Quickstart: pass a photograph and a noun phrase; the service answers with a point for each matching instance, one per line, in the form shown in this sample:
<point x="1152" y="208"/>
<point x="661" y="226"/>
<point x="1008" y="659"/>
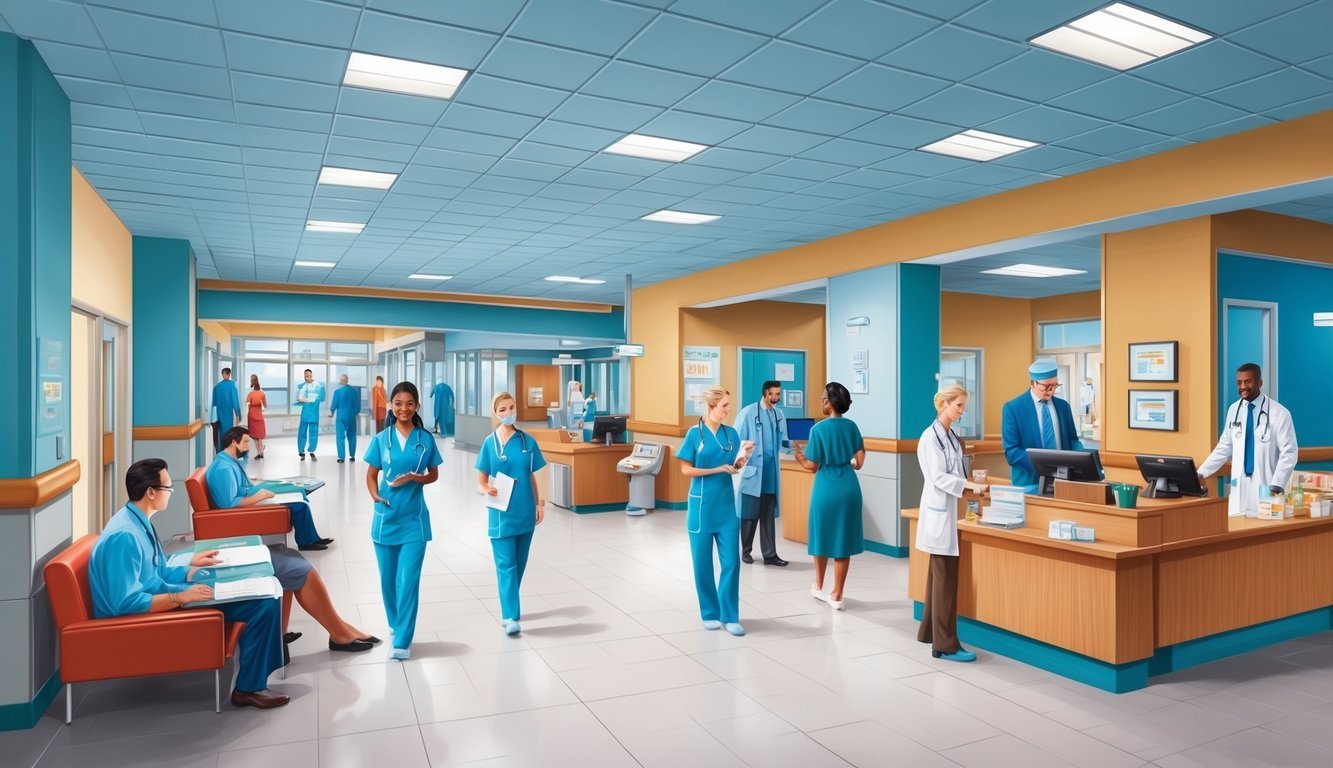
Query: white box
<point x="1082" y="533"/>
<point x="1271" y="508"/>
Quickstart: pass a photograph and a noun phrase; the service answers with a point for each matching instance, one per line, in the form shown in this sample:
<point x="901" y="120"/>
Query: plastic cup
<point x="979" y="476"/>
<point x="1126" y="495"/>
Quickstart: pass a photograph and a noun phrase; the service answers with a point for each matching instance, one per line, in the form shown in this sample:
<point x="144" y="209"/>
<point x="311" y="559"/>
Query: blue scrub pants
<point x="400" y="584"/>
<point x="259" y="651"/>
<point x="303" y="522"/>
<point x="511" y="559"/>
<point x="344" y="432"/>
<point x="308" y="429"/>
<point x="718" y="601"/>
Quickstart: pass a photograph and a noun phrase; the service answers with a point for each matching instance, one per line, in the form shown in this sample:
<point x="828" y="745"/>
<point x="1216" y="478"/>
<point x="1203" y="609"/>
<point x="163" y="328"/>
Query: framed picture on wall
<point x="1154" y="409"/>
<point x="1154" y="361"/>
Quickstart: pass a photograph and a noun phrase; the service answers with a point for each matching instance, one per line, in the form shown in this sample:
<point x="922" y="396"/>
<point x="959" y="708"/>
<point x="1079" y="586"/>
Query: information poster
<point x="50" y="387"/>
<point x="701" y="369"/>
<point x="784" y="372"/>
<point x="1151" y="363"/>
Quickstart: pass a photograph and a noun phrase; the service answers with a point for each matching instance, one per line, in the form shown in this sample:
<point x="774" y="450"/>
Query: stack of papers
<point x="1008" y="508"/>
<point x="244" y="589"/>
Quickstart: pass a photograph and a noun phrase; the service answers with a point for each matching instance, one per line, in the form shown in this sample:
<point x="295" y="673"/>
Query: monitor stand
<point x="1163" y="488"/>
<point x="1046" y="484"/>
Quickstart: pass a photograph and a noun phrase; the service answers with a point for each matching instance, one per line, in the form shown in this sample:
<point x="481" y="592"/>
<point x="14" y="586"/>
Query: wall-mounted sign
<point x="701" y="369"/>
<point x="627" y="350"/>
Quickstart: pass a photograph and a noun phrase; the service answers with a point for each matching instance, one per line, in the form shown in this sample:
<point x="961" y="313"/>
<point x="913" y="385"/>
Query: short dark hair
<point x="142" y="475"/>
<point x="312" y="373"/>
<point x="226" y="371"/>
<point x="233" y="435"/>
<point x="838" y="397"/>
<point x="1251" y="368"/>
<point x="379" y="378"/>
<point x="770" y="384"/>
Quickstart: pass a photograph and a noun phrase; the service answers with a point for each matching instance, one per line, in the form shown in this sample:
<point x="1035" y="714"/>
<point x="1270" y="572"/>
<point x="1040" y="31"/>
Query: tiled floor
<point x="613" y="669"/>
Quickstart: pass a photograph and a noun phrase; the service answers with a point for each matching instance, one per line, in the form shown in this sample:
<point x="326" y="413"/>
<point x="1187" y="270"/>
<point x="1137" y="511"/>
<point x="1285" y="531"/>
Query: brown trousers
<point x="939" y="619"/>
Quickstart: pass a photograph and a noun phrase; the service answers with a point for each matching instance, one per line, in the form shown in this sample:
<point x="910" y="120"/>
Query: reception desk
<point x="796" y="483"/>
<point x="594" y="484"/>
<point x="1167" y="585"/>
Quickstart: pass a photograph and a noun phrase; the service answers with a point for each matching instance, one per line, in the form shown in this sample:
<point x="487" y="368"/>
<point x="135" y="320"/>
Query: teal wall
<point x="757" y="367"/>
<point x="918" y="347"/>
<point x="164" y="332"/>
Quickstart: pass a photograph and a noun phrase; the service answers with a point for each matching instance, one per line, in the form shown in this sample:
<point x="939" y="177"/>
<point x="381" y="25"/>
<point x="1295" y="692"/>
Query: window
<point x="962" y="365"/>
<point x="349" y="352"/>
<point x="280" y="365"/>
<point x="310" y="350"/>
<point x="1070" y="333"/>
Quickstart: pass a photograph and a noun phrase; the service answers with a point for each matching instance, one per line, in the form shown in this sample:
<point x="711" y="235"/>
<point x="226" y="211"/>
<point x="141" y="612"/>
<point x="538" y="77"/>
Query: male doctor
<point x="1259" y="440"/>
<point x="309" y="395"/>
<point x="757" y="504"/>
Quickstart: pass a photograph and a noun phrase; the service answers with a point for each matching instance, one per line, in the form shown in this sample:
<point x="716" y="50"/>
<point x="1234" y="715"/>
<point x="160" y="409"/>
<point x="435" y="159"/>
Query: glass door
<point x="963" y="366"/>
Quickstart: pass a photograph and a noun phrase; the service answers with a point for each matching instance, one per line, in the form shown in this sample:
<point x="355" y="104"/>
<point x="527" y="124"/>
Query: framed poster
<point x="1154" y="409"/>
<point x="701" y="369"/>
<point x="793" y="398"/>
<point x="1154" y="361"/>
<point x="784" y="372"/>
<point x="860" y="383"/>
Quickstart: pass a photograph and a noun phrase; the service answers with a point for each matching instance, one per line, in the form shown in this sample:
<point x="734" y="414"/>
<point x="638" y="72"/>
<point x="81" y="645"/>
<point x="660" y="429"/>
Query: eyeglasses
<point x="1047" y="387"/>
<point x="167" y="488"/>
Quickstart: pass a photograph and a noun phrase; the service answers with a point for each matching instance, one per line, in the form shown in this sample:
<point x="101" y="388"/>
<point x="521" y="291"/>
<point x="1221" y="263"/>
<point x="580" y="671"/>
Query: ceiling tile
<point x="278" y="117"/>
<point x="150" y="100"/>
<point x="952" y="53"/>
<point x="675" y="43"/>
<point x="1214" y="64"/>
<point x="1294" y="37"/>
<point x="794" y="68"/>
<point x="1111" y="139"/>
<point x="1040" y="75"/>
<point x="904" y="132"/>
<point x="641" y="85"/>
<point x="173" y="76"/>
<point x="306" y="21"/>
<point x="61" y="22"/>
<point x="964" y="105"/>
<point x="765" y="16"/>
<point x="417" y="40"/>
<point x="483" y="91"/>
<point x="1043" y="124"/>
<point x="740" y="102"/>
<point x="487" y="15"/>
<point x="280" y="58"/>
<point x="1185" y="116"/>
<point x="817" y="116"/>
<point x="700" y="129"/>
<point x="1229" y="127"/>
<point x="588" y="25"/>
<point x="604" y="113"/>
<point x="1273" y="90"/>
<point x="1022" y="20"/>
<point x="197" y="13"/>
<point x="541" y="64"/>
<point x="859" y="28"/>
<point x="849" y="152"/>
<point x="763" y="138"/>
<point x="1118" y="98"/>
<point x="281" y="92"/>
<point x="160" y="38"/>
<point x="77" y="61"/>
<point x="384" y="130"/>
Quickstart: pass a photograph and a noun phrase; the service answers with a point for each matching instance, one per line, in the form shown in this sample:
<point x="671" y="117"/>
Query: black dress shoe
<point x="312" y="547"/>
<point x="291" y="637"/>
<point x="775" y="560"/>
<point x="371" y="639"/>
<point x="303" y="457"/>
<point x="313" y="457"/>
<point x="340" y="461"/>
<point x="356" y="646"/>
<point x="353" y="458"/>
<point x="324" y="541"/>
<point x="746" y="557"/>
<point x="265" y="699"/>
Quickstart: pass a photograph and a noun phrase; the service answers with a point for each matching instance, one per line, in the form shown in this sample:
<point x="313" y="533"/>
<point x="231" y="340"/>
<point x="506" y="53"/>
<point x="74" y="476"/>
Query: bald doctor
<point x="1259" y="440"/>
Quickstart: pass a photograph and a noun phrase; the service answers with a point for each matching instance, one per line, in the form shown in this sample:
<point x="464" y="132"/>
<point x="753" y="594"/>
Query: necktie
<point x="1047" y="429"/>
<point x="1249" y="441"/>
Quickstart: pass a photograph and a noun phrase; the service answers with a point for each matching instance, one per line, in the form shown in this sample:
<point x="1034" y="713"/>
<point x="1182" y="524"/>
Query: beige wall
<point x="102" y="258"/>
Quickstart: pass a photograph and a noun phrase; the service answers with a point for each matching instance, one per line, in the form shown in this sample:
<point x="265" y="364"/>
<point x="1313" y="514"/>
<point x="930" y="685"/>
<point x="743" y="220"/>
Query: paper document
<point x="262" y="586"/>
<point x="504" y="485"/>
<point x="286" y="498"/>
<point x="235" y="556"/>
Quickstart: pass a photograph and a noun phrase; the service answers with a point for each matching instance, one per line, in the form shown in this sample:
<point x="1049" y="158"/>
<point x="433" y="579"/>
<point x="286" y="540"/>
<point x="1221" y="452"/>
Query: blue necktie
<point x="1047" y="430"/>
<point x="1249" y="441"/>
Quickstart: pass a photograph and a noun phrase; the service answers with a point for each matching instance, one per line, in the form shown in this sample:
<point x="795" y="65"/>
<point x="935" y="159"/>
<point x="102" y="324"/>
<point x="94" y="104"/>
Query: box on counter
<point x="1271" y="507"/>
<point x="1314" y="479"/>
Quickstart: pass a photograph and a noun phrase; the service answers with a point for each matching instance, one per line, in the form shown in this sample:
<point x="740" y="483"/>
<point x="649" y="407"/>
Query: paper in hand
<point x="504" y="487"/>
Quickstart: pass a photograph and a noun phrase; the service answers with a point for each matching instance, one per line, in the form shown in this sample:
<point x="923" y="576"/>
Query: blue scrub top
<point x="406" y="520"/>
<point x="310" y="410"/>
<point x="227" y="401"/>
<point x="128" y="567"/>
<point x="712" y="500"/>
<point x="227" y="483"/>
<point x="346" y="403"/>
<point x="519" y="458"/>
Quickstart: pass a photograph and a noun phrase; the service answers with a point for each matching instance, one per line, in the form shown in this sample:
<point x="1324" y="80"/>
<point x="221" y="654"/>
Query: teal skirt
<point x="835" y="514"/>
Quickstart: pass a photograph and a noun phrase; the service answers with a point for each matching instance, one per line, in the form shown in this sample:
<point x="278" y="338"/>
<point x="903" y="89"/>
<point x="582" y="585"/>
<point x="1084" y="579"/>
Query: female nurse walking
<point x="511" y="452"/>
<point x="941" y="456"/>
<point x="406" y="455"/>
<point x="834" y="452"/>
<point x="710" y="454"/>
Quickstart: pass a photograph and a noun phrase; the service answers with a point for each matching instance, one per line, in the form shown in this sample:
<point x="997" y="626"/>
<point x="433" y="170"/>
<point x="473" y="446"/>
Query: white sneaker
<point x="837" y="604"/>
<point x="816" y="594"/>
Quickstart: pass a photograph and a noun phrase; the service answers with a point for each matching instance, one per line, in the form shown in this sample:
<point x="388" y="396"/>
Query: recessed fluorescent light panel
<point x="319" y="264"/>
<point x="342" y="227"/>
<point x="1323" y="319"/>
<point x="1034" y="270"/>
<point x="347" y="177"/>
<point x="653" y="148"/>
<point x="570" y="342"/>
<point x="420" y="276"/>
<point x="680" y="217"/>
<point x="580" y="280"/>
<point x="978" y="145"/>
<point x="383" y="73"/>
<point x="1121" y="37"/>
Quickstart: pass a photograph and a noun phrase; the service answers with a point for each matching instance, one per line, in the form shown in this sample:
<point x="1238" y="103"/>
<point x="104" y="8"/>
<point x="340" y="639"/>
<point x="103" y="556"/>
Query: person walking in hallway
<point x="834" y="452"/>
<point x="255" y="404"/>
<point x="345" y="407"/>
<point x="226" y="407"/>
<point x="379" y="404"/>
<point x="308" y="395"/>
<point x="442" y="397"/>
<point x="762" y="423"/>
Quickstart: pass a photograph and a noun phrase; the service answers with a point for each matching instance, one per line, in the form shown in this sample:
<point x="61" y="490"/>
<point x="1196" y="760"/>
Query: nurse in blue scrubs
<point x="406" y="455"/>
<point x="710" y="454"/>
<point x="512" y="452"/>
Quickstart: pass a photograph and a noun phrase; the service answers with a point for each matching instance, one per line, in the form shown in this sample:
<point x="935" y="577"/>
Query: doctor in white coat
<point x="1259" y="440"/>
<point x="759" y="489"/>
<point x="940" y="453"/>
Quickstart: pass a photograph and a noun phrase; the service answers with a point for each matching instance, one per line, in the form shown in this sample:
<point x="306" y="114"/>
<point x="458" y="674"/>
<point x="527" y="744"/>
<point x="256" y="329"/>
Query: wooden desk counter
<point x="796" y="483"/>
<point x="595" y="485"/>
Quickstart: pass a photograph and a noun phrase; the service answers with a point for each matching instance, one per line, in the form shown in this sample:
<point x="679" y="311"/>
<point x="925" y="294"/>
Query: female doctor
<point x="1261" y="423"/>
<point x="511" y="451"/>
<point x="405" y="452"/>
<point x="710" y="454"/>
<point x="941" y="456"/>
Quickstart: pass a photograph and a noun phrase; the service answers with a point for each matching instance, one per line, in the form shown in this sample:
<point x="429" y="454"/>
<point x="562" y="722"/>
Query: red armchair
<point x="221" y="523"/>
<point x="129" y="646"/>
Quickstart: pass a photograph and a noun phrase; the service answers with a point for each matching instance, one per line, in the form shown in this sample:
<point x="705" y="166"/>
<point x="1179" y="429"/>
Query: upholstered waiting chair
<point x="221" y="523"/>
<point x="129" y="646"/>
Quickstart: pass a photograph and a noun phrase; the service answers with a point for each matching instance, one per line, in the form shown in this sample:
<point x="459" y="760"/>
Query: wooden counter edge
<point x="25" y="492"/>
<point x="1259" y="528"/>
<point x="171" y="432"/>
<point x="1033" y="537"/>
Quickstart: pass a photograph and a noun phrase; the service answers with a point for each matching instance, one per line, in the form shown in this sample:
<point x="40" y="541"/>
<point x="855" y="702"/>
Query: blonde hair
<point x="500" y="397"/>
<point x="713" y="395"/>
<point x="948" y="395"/>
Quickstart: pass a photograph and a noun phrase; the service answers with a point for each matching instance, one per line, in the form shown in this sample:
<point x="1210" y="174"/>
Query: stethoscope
<point x="419" y="448"/>
<point x="1261" y="422"/>
<point x="728" y="448"/>
<point x="777" y="421"/>
<point x="950" y="463"/>
<point x="500" y="449"/>
<point x="152" y="537"/>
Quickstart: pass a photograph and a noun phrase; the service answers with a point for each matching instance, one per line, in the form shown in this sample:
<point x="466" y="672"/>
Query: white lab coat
<point x="1274" y="453"/>
<point x="942" y="467"/>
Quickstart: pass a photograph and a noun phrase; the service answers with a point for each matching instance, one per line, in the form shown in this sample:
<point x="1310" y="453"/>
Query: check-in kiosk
<point x="642" y="466"/>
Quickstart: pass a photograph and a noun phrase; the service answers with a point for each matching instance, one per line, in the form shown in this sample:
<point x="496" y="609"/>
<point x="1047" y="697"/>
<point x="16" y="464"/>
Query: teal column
<point x="884" y="332"/>
<point x="164" y="364"/>
<point x="34" y="354"/>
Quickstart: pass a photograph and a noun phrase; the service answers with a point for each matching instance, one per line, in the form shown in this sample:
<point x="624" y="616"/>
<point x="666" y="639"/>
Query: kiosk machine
<point x="642" y="466"/>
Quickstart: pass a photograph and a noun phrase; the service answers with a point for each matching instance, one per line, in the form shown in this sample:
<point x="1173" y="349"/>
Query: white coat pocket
<point x="934" y="526"/>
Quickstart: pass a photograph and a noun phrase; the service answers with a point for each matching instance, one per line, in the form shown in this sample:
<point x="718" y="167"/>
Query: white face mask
<point x="509" y="419"/>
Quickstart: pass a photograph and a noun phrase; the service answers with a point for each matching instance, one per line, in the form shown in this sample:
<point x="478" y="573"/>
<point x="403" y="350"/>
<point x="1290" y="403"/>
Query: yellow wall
<point x="102" y="253"/>
<point x="1270" y="234"/>
<point x="772" y="324"/>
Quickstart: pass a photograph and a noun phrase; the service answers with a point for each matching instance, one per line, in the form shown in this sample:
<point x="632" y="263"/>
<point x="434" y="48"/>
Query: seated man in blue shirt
<point x="128" y="574"/>
<point x="229" y="486"/>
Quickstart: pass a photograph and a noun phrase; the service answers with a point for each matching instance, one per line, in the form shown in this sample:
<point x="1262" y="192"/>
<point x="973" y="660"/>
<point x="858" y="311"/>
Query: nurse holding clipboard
<point x="506" y="475"/>
<point x="406" y="455"/>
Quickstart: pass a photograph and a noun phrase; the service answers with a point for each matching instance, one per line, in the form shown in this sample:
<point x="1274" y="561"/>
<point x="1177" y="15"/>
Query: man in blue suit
<point x="1037" y="419"/>
<point x="226" y="407"/>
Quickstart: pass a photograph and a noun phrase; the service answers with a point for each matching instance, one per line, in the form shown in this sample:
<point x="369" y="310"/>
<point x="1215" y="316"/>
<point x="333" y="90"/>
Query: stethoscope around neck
<point x="1262" y="422"/>
<point x="500" y="449"/>
<point x="419" y="449"/>
<point x="703" y="428"/>
<point x="950" y="463"/>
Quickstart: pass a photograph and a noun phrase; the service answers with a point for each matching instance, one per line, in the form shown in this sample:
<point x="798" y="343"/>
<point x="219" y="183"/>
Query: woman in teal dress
<point x="835" y="450"/>
<point x="709" y="455"/>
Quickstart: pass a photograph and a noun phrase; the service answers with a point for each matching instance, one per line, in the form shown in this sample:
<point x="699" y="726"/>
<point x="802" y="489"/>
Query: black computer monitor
<point x="1064" y="465"/>
<point x="604" y="426"/>
<point x="1170" y="477"/>
<point x="799" y="429"/>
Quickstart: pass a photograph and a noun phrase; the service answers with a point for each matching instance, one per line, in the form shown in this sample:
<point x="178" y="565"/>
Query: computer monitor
<point x="799" y="429"/>
<point x="1064" y="465"/>
<point x="1170" y="477"/>
<point x="612" y="427"/>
